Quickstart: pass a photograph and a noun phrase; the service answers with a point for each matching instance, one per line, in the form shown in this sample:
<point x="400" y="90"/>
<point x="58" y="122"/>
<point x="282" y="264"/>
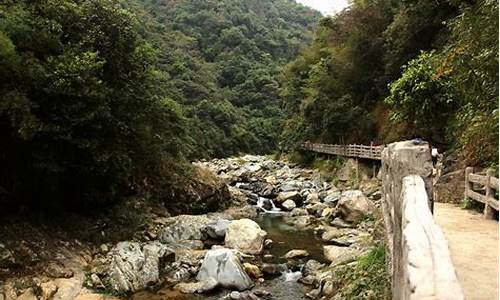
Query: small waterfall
<point x="289" y="275"/>
<point x="262" y="202"/>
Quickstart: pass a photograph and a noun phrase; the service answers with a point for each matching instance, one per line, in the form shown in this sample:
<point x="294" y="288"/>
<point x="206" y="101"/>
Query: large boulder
<point x="135" y="266"/>
<point x="353" y="206"/>
<point x="224" y="266"/>
<point x="217" y="230"/>
<point x="184" y="227"/>
<point x="246" y="236"/>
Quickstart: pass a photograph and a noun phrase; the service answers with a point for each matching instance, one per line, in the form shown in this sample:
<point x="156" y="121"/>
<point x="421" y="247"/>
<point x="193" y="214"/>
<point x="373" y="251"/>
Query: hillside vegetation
<point x="97" y="96"/>
<point x="383" y="71"/>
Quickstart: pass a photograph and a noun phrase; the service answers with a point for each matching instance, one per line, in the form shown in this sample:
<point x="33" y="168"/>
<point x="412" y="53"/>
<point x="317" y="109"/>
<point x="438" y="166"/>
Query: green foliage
<point x="222" y="58"/>
<point x="100" y="98"/>
<point x="79" y="110"/>
<point x="330" y="89"/>
<point x="367" y="279"/>
<point x="431" y="66"/>
<point x="422" y="98"/>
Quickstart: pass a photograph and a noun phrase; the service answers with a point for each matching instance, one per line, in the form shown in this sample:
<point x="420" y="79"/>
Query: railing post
<point x="489" y="212"/>
<point x="468" y="184"/>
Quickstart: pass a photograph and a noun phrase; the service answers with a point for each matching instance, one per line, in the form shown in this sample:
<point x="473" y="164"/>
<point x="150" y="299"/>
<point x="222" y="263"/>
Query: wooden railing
<point x="489" y="184"/>
<point x="361" y="151"/>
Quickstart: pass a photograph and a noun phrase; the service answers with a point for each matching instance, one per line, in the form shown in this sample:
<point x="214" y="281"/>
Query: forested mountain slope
<point x="388" y="70"/>
<point x="222" y="58"/>
<point x="98" y="95"/>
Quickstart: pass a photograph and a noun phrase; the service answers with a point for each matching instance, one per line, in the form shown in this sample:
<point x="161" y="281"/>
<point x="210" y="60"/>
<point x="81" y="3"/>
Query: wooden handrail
<point x="489" y="183"/>
<point x="361" y="151"/>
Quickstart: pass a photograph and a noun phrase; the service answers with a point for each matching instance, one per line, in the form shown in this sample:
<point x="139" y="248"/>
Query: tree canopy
<point x="94" y="92"/>
<point x="384" y="71"/>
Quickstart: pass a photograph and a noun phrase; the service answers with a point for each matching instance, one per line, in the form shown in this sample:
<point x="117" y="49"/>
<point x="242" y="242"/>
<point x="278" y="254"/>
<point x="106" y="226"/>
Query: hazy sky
<point x="327" y="7"/>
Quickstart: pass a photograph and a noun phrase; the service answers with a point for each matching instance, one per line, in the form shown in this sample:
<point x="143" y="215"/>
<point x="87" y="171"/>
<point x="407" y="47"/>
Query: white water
<point x="291" y="276"/>
<point x="274" y="209"/>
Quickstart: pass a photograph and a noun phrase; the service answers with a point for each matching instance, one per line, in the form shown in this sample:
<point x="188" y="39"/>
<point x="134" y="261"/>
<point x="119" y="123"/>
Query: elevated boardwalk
<point x="357" y="151"/>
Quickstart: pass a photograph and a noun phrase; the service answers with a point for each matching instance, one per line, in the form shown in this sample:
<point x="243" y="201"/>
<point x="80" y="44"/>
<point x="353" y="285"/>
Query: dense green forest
<point x="95" y="95"/>
<point x="386" y="70"/>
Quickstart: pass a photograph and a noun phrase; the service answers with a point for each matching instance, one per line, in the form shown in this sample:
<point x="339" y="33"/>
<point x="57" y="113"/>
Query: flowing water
<point x="285" y="238"/>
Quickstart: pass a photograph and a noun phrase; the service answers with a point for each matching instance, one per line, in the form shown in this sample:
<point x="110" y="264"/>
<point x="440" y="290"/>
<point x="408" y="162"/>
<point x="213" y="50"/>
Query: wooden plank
<point x="493" y="203"/>
<point x="476" y="196"/>
<point x="479" y="179"/>
<point x="494" y="183"/>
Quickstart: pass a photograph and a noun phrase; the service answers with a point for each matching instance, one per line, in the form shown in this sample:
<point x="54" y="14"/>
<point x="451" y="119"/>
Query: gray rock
<point x="217" y="230"/>
<point x="311" y="267"/>
<point x="184" y="227"/>
<point x="271" y="269"/>
<point x="224" y="266"/>
<point x="135" y="266"/>
<point x="332" y="197"/>
<point x="290" y="187"/>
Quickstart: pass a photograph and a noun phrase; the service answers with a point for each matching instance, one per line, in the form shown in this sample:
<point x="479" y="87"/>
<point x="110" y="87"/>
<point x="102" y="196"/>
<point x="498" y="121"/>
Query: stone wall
<point x="421" y="266"/>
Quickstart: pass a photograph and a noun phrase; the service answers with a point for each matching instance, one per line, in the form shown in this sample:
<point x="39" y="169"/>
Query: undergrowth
<point x="367" y="278"/>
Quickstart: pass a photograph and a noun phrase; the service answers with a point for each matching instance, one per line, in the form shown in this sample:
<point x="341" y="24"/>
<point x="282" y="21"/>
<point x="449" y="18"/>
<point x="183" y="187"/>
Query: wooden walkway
<point x="359" y="151"/>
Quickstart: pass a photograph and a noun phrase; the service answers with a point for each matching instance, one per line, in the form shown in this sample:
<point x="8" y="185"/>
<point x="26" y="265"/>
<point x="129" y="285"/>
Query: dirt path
<point x="473" y="243"/>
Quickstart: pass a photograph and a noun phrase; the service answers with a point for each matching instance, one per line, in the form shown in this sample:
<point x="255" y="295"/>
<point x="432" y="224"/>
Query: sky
<point x="327" y="7"/>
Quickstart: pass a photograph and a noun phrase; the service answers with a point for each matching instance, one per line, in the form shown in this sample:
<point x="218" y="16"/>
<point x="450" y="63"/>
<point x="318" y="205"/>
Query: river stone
<point x="299" y="212"/>
<point x="252" y="270"/>
<point x="224" y="266"/>
<point x="271" y="269"/>
<point x="290" y="187"/>
<point x="316" y="208"/>
<point x="296" y="253"/>
<point x="196" y="287"/>
<point x="338" y="222"/>
<point x="217" y="230"/>
<point x="294" y="196"/>
<point x="246" y="236"/>
<point x="288" y="205"/>
<point x="184" y="227"/>
<point x="332" y="233"/>
<point x="135" y="266"/>
<point x="338" y="255"/>
<point x="332" y="197"/>
<point x="353" y="206"/>
<point x="312" y="198"/>
<point x="311" y="267"/>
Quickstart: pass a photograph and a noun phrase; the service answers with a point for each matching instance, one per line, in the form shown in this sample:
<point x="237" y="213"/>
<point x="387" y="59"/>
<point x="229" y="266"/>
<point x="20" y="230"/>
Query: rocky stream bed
<point x="285" y="232"/>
